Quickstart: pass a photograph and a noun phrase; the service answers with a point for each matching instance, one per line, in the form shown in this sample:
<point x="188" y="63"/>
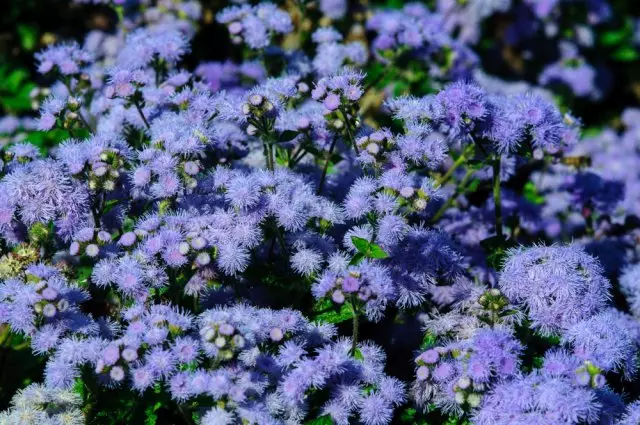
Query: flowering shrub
<point x="346" y="223"/>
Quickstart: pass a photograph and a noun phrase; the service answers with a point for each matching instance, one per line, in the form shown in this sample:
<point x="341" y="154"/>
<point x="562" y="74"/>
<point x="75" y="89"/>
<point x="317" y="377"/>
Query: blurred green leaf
<point x="322" y="420"/>
<point x="331" y="314"/>
<point x="626" y="54"/>
<point x="530" y="193"/>
<point x="617" y="36"/>
<point x="368" y="249"/>
<point x="28" y="36"/>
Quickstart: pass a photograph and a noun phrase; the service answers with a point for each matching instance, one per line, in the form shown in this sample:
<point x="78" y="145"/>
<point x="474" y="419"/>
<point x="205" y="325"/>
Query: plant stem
<point x="354" y="335"/>
<point x="144" y="119"/>
<point x="326" y="165"/>
<point x="496" y="196"/>
<point x="453" y="197"/>
<point x="268" y="155"/>
<point x="85" y="123"/>
<point x="347" y="125"/>
<point x="458" y="162"/>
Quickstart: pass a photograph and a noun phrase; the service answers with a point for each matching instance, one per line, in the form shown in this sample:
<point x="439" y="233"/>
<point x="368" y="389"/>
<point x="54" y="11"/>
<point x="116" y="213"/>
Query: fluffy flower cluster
<point x="258" y="241"/>
<point x="37" y="404"/>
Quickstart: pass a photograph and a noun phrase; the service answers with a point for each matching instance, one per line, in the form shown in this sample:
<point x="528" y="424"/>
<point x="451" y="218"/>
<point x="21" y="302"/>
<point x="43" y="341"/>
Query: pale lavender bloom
<point x="558" y="285"/>
<point x="536" y="399"/>
<point x="255" y="25"/>
<point x="593" y="340"/>
<point x="68" y="59"/>
<point x="334" y="9"/>
<point x="630" y="287"/>
<point x="632" y="415"/>
<point x="306" y="261"/>
<point x="461" y="373"/>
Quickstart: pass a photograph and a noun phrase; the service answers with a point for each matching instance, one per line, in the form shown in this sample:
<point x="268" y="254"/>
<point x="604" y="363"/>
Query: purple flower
<point x="558" y="285"/>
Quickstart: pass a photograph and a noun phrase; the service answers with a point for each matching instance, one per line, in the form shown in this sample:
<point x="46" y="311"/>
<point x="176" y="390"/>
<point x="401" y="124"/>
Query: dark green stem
<point x="268" y="155"/>
<point x="347" y="124"/>
<point x="144" y="119"/>
<point x="497" y="196"/>
<point x="85" y="123"/>
<point x="453" y="197"/>
<point x="458" y="162"/>
<point x="326" y="164"/>
<point x="354" y="335"/>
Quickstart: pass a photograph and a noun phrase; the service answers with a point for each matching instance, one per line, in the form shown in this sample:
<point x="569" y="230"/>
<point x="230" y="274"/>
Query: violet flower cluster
<point x="258" y="240"/>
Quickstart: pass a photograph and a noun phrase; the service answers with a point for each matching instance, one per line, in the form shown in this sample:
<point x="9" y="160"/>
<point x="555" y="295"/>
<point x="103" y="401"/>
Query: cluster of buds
<point x="259" y="111"/>
<point x="493" y="302"/>
<point x="340" y="114"/>
<point x="373" y="147"/>
<point x="19" y="154"/>
<point x="115" y="360"/>
<point x="104" y="172"/>
<point x="37" y="95"/>
<point x="431" y="366"/>
<point x="15" y="262"/>
<point x="352" y="285"/>
<point x="195" y="249"/>
<point x="51" y="302"/>
<point x="590" y="375"/>
<point x="416" y="198"/>
<point x="124" y="83"/>
<point x="199" y="249"/>
<point x="88" y="241"/>
<point x="70" y="116"/>
<point x="223" y="339"/>
<point x="339" y="94"/>
<point x="188" y="170"/>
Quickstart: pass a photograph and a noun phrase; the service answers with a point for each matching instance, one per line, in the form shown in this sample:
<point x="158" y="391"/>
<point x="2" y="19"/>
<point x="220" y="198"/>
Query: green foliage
<point x="496" y="248"/>
<point x="15" y="89"/>
<point x="326" y="311"/>
<point x="368" y="249"/>
<point x="322" y="420"/>
<point x="531" y="194"/>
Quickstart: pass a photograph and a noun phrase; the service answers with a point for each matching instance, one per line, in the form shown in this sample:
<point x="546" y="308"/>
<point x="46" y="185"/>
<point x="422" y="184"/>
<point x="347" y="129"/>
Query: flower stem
<point x="326" y="164"/>
<point x="85" y="123"/>
<point x="144" y="119"/>
<point x="354" y="335"/>
<point x="497" y="196"/>
<point x="458" y="162"/>
<point x="453" y="197"/>
<point x="347" y="124"/>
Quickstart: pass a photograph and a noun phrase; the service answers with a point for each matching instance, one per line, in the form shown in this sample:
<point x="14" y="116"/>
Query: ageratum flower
<point x="558" y="285"/>
<point x="456" y="376"/>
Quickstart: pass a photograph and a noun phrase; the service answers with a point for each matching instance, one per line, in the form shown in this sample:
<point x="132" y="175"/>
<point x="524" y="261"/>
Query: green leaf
<point x="334" y="315"/>
<point x="361" y="244"/>
<point x="530" y="193"/>
<point x="151" y="418"/>
<point x="496" y="249"/>
<point x="428" y="341"/>
<point x="357" y="258"/>
<point x="83" y="274"/>
<point x="287" y="136"/>
<point x="408" y="414"/>
<point x="617" y="36"/>
<point x="357" y="354"/>
<point x="109" y="205"/>
<point x="472" y="186"/>
<point x="368" y="249"/>
<point x="322" y="420"/>
<point x="376" y="252"/>
<point x="28" y="36"/>
<point x="626" y="54"/>
<point x="15" y="80"/>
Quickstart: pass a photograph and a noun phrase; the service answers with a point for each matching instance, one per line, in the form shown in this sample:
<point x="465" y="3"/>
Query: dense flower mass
<point x="349" y="219"/>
